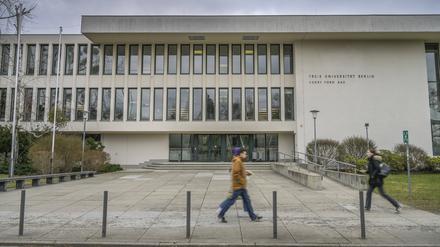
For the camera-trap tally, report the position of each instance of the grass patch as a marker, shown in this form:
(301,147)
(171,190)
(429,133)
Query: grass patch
(425,190)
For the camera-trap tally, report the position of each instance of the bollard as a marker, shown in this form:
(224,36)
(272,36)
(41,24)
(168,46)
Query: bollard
(22,205)
(104,215)
(361,206)
(274,204)
(188,214)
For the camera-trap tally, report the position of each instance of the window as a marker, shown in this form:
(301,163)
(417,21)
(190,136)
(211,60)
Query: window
(276,103)
(3,103)
(120,59)
(44,59)
(272,147)
(184,104)
(275,59)
(93,104)
(288,59)
(56,68)
(94,60)
(119,104)
(223,59)
(6,52)
(133,62)
(210,104)
(132,104)
(197,104)
(262,59)
(146,59)
(432,62)
(105,106)
(262,104)
(30,61)
(250,103)
(172,59)
(52,98)
(108,59)
(249,59)
(171,103)
(236,59)
(68,70)
(82,59)
(210,59)
(27,110)
(79,104)
(159,60)
(184,59)
(15,57)
(158,104)
(288,104)
(67,102)
(41,102)
(145,104)
(223,104)
(11,108)
(236,104)
(198,59)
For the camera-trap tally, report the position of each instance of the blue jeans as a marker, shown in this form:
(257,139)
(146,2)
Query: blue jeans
(246,203)
(222,205)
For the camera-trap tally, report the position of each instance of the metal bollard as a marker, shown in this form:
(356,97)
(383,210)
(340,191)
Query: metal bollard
(275,217)
(22,206)
(361,206)
(188,214)
(104,215)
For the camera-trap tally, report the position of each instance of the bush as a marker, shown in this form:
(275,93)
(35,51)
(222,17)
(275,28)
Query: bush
(418,158)
(354,147)
(394,160)
(324,147)
(4,168)
(434,164)
(94,145)
(95,160)
(111,168)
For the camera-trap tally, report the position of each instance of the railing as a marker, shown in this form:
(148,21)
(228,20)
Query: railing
(325,162)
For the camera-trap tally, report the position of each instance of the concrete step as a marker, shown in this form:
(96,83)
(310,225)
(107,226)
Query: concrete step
(202,166)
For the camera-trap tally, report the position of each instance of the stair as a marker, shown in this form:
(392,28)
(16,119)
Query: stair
(155,165)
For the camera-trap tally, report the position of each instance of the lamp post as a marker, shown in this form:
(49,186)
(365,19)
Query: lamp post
(366,131)
(314,114)
(85,116)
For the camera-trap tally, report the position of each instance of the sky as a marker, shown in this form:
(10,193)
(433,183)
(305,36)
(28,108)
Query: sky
(48,15)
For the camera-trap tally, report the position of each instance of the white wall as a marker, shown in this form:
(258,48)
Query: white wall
(286,143)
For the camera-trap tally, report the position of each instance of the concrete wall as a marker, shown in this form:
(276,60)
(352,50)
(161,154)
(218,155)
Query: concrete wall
(286,143)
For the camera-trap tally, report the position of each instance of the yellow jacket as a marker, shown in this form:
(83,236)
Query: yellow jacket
(238,174)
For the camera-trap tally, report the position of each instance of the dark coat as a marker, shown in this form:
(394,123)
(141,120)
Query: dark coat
(374,169)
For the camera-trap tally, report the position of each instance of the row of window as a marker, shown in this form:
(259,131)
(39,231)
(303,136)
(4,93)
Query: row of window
(433,75)
(215,106)
(206,59)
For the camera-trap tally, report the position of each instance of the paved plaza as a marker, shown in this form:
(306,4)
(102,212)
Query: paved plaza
(150,207)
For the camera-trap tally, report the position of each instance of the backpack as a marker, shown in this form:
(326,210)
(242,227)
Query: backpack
(384,169)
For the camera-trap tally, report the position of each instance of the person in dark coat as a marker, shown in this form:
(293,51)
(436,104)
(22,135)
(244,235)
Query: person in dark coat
(376,180)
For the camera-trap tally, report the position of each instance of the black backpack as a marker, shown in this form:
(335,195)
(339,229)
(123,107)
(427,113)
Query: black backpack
(384,169)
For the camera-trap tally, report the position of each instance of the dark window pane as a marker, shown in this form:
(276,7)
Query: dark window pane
(80,102)
(44,59)
(210,104)
(55,66)
(94,60)
(250,103)
(262,104)
(133,62)
(262,59)
(210,59)
(289,104)
(27,108)
(288,59)
(132,104)
(432,65)
(3,92)
(11,108)
(68,69)
(30,62)
(145,104)
(41,103)
(271,147)
(120,59)
(108,59)
(236,104)
(175,147)
(105,106)
(198,59)
(159,60)
(249,59)
(172,59)
(236,59)
(184,104)
(223,107)
(158,104)
(171,103)
(15,58)
(6,53)
(197,104)
(223,59)
(52,98)
(259,153)
(184,59)
(146,59)
(82,59)
(274,59)
(67,102)
(93,104)
(119,104)
(276,103)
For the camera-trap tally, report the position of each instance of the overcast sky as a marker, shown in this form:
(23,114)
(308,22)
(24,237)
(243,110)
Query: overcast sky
(50,14)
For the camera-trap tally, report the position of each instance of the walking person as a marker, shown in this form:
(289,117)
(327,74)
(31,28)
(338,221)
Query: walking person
(376,180)
(239,183)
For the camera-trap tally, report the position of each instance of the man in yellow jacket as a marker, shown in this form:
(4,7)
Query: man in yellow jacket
(239,182)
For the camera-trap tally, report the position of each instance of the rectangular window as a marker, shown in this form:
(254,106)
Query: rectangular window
(68,69)
(41,103)
(275,59)
(15,57)
(223,59)
(6,53)
(197,104)
(289,104)
(236,59)
(132,104)
(67,102)
(79,104)
(30,60)
(145,104)
(288,59)
(3,92)
(184,104)
(159,60)
(210,104)
(133,62)
(223,104)
(172,59)
(276,103)
(11,108)
(119,104)
(249,59)
(120,59)
(105,105)
(250,103)
(52,98)
(27,110)
(56,68)
(146,59)
(44,59)
(158,104)
(184,59)
(108,59)
(262,104)
(94,60)
(262,59)
(432,65)
(210,59)
(93,104)
(82,60)
(171,103)
(198,59)
(236,104)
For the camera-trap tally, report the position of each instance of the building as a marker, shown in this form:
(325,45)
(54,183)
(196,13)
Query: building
(188,88)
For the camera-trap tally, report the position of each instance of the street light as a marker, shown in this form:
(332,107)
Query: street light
(85,116)
(366,131)
(314,114)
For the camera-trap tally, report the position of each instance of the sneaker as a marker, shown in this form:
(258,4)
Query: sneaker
(218,210)
(258,218)
(222,219)
(398,209)
(367,209)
